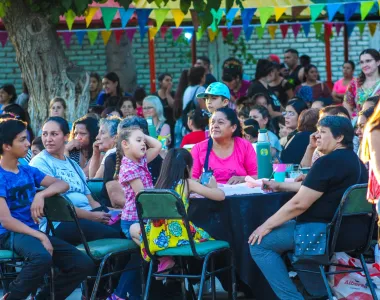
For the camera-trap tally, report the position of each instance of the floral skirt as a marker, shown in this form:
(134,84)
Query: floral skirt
(163,234)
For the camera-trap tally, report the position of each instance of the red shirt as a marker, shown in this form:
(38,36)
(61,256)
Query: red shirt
(193,138)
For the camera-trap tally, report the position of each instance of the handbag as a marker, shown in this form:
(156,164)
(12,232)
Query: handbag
(312,239)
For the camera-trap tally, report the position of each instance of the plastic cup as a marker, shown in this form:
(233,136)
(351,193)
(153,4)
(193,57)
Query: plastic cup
(279,176)
(279,167)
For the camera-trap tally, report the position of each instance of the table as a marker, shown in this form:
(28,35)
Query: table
(233,220)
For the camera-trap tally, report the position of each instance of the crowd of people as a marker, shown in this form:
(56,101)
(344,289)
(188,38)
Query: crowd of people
(168,140)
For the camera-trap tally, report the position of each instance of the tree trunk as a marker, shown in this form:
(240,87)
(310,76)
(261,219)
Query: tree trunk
(44,66)
(120,60)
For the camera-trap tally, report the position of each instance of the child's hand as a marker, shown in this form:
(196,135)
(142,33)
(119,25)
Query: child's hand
(101,217)
(212,183)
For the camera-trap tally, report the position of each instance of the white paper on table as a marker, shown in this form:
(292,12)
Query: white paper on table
(239,189)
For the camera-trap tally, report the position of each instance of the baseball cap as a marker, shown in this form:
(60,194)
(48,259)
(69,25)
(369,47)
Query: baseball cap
(216,89)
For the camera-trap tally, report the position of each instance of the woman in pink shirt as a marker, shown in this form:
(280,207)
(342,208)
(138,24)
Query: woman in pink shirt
(231,157)
(341,85)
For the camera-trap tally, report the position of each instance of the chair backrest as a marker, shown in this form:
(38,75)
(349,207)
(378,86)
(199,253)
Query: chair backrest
(95,186)
(354,205)
(161,204)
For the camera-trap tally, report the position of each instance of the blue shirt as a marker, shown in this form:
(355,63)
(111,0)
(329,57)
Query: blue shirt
(19,190)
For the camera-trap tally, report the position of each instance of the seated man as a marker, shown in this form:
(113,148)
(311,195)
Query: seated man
(20,210)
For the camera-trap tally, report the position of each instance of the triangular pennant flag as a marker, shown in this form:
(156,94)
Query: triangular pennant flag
(189,32)
(106,34)
(248,32)
(265,14)
(372,28)
(142,19)
(160,16)
(89,14)
(318,28)
(164,30)
(224,31)
(80,36)
(176,32)
(361,27)
(272,31)
(365,8)
(4,38)
(306,28)
(350,9)
(230,16)
(152,32)
(378,4)
(217,16)
(108,13)
(315,11)
(246,16)
(194,19)
(296,29)
(297,10)
(328,29)
(126,15)
(178,16)
(130,32)
(332,9)
(338,28)
(260,31)
(118,34)
(212,34)
(284,30)
(70,17)
(279,11)
(199,33)
(236,32)
(143,31)
(92,36)
(350,28)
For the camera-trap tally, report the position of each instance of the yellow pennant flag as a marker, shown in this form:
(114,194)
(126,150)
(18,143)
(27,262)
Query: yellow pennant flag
(279,11)
(378,2)
(178,16)
(212,35)
(372,28)
(152,32)
(106,34)
(272,31)
(70,17)
(89,14)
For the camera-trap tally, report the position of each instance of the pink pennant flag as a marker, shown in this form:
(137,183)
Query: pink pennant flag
(224,32)
(284,30)
(176,32)
(338,28)
(67,37)
(3,38)
(130,33)
(164,30)
(296,29)
(118,34)
(236,32)
(328,29)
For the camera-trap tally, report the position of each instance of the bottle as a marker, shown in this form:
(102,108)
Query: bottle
(263,154)
(151,127)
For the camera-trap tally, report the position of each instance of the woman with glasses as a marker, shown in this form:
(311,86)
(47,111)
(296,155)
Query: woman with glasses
(367,84)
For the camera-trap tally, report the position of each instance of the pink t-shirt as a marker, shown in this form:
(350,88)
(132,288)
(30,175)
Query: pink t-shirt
(241,162)
(339,88)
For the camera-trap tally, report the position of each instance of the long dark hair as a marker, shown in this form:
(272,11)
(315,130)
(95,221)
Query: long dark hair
(376,56)
(232,117)
(62,123)
(265,114)
(112,76)
(92,127)
(23,116)
(178,97)
(10,90)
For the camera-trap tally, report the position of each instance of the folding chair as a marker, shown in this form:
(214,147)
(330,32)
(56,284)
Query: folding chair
(353,204)
(163,204)
(95,185)
(60,209)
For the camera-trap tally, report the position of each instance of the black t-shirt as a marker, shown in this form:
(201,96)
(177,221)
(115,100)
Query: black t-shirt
(296,148)
(209,79)
(257,87)
(109,172)
(293,78)
(332,175)
(280,91)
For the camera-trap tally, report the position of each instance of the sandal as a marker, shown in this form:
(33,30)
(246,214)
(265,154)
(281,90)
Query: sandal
(166,263)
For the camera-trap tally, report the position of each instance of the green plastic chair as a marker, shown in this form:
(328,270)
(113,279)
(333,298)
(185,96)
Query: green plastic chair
(95,186)
(160,204)
(60,209)
(353,204)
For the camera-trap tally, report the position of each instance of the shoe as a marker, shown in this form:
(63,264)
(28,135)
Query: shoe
(5,296)
(166,263)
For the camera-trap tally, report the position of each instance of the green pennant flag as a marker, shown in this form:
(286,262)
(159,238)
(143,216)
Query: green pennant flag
(315,11)
(361,27)
(318,28)
(70,17)
(200,33)
(265,14)
(365,8)
(260,31)
(160,17)
(217,16)
(108,14)
(92,36)
(2,10)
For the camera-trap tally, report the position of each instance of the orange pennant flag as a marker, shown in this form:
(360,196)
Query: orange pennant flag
(372,28)
(178,16)
(211,34)
(106,34)
(89,14)
(272,31)
(152,32)
(279,11)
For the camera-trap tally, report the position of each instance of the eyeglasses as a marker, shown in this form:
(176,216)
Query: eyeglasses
(367,61)
(148,108)
(289,113)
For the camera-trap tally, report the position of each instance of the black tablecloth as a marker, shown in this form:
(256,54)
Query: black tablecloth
(233,220)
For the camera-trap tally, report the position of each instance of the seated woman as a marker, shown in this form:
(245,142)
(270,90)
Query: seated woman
(231,157)
(104,145)
(82,138)
(316,201)
(53,162)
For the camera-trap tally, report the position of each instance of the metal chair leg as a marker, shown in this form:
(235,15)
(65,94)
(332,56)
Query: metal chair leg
(203,277)
(368,277)
(323,274)
(233,277)
(213,287)
(98,277)
(191,288)
(52,288)
(183,280)
(146,293)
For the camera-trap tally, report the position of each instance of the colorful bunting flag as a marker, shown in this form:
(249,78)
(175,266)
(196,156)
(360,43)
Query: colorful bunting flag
(350,9)
(365,8)
(224,32)
(143,31)
(272,31)
(372,28)
(217,17)
(152,32)
(92,36)
(315,11)
(199,33)
(130,32)
(176,32)
(89,14)
(194,19)
(265,14)
(118,34)
(284,30)
(178,16)
(80,36)
(106,34)
(126,15)
(306,28)
(163,30)
(260,31)
(279,11)
(246,16)
(328,29)
(142,19)
(108,13)
(4,38)
(231,16)
(297,10)
(212,34)
(338,28)
(160,17)
(361,27)
(67,38)
(248,33)
(332,9)
(317,28)
(350,28)
(236,32)
(70,17)
(296,29)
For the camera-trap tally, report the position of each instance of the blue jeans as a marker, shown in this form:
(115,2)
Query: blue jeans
(267,256)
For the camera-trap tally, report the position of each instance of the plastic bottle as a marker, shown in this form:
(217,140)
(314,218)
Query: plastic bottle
(151,127)
(263,154)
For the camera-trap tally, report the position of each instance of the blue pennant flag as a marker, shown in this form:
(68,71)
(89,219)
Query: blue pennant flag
(350,9)
(332,9)
(248,32)
(80,36)
(350,28)
(143,31)
(230,16)
(306,28)
(142,18)
(125,15)
(246,16)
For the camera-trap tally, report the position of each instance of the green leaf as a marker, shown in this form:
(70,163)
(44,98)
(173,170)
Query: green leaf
(67,4)
(185,5)
(199,5)
(80,6)
(229,4)
(124,3)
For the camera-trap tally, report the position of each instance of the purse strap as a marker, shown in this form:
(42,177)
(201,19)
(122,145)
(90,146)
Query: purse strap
(209,147)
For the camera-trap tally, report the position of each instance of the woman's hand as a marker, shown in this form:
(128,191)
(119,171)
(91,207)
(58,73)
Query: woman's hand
(100,217)
(73,144)
(212,183)
(258,234)
(313,141)
(95,148)
(37,208)
(236,180)
(300,178)
(271,186)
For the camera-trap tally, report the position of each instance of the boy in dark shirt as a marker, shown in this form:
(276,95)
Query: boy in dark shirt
(20,210)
